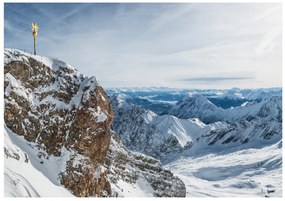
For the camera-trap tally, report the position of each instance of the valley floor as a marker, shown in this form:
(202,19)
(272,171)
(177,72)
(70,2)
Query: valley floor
(250,172)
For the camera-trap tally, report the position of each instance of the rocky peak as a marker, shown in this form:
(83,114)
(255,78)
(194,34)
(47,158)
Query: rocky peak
(40,103)
(197,106)
(56,107)
(67,115)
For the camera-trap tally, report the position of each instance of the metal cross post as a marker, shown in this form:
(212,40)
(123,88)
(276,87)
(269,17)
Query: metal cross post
(35,29)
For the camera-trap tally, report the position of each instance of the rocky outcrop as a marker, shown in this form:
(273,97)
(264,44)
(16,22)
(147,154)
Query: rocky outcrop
(130,167)
(58,109)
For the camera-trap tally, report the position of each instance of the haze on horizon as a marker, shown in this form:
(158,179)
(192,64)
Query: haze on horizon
(185,45)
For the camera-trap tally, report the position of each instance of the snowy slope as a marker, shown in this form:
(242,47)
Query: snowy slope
(254,126)
(137,132)
(184,130)
(37,174)
(248,172)
(23,173)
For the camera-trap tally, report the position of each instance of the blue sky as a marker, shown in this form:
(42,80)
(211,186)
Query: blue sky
(172,45)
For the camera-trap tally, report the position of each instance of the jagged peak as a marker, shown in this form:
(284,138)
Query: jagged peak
(54,76)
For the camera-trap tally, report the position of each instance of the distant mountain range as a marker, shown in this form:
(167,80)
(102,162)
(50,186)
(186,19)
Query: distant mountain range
(160,100)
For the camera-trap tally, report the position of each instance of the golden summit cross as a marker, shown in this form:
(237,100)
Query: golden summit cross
(35,29)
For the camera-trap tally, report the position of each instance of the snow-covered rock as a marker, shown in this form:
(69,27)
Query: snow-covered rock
(197,106)
(60,120)
(135,174)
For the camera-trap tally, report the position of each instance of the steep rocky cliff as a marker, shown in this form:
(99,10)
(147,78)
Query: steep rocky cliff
(67,116)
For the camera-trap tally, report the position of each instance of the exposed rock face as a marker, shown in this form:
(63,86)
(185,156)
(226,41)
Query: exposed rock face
(55,107)
(129,167)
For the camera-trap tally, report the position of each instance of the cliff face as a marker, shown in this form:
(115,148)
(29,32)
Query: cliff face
(60,111)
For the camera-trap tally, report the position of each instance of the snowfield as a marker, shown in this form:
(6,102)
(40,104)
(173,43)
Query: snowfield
(244,173)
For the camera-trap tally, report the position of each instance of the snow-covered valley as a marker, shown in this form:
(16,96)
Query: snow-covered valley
(244,173)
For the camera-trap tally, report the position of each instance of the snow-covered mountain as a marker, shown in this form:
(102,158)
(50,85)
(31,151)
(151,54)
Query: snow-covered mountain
(144,131)
(160,100)
(197,106)
(252,126)
(242,159)
(234,93)
(238,154)
(137,129)
(167,136)
(57,133)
